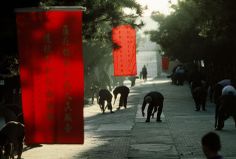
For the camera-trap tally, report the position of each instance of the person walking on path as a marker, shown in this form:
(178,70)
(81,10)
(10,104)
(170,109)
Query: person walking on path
(155,101)
(144,73)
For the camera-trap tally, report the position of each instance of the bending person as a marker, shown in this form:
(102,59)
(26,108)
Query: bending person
(124,92)
(155,101)
(105,95)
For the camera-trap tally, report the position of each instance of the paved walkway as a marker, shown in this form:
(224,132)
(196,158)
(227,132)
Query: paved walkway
(125,135)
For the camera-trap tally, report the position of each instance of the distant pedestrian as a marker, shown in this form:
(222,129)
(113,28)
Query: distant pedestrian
(124,92)
(179,75)
(211,145)
(140,75)
(94,88)
(132,79)
(155,103)
(104,95)
(144,73)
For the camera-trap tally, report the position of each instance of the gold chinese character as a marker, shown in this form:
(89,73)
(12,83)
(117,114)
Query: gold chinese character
(67,128)
(48,81)
(50,106)
(65,35)
(65,30)
(67,85)
(47,44)
(46,50)
(68,108)
(47,70)
(66,52)
(66,62)
(47,38)
(68,96)
(49,94)
(50,116)
(67,117)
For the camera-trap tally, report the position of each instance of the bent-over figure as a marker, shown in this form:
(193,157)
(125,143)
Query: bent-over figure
(105,95)
(11,139)
(155,103)
(199,93)
(227,106)
(124,92)
(217,95)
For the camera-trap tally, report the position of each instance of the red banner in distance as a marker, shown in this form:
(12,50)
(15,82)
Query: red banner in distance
(124,57)
(165,63)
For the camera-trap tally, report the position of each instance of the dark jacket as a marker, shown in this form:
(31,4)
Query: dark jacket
(157,99)
(104,94)
(123,90)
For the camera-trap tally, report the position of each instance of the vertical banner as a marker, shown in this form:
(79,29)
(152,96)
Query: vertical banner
(124,57)
(51,72)
(165,63)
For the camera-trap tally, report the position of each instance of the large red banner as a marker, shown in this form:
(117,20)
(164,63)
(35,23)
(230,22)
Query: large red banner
(52,77)
(124,57)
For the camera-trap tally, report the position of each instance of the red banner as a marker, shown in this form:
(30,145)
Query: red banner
(124,56)
(165,63)
(52,77)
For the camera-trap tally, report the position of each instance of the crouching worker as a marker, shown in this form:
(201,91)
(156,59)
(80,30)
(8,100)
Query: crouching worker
(155,103)
(105,95)
(124,92)
(227,106)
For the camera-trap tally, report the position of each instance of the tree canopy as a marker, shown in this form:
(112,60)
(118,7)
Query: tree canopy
(200,30)
(197,29)
(99,18)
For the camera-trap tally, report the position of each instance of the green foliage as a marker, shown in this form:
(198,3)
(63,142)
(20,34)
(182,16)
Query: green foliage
(101,15)
(198,29)
(98,20)
(178,32)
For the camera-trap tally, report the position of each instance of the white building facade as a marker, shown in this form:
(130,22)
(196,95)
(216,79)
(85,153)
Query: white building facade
(148,53)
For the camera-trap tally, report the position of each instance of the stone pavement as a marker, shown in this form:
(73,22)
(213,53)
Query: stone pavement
(125,135)
(179,135)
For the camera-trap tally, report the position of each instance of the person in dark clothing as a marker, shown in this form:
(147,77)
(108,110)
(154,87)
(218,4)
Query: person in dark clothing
(227,106)
(199,93)
(218,89)
(211,145)
(94,88)
(11,139)
(155,101)
(10,112)
(144,73)
(172,75)
(124,92)
(132,79)
(105,95)
(217,95)
(179,75)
